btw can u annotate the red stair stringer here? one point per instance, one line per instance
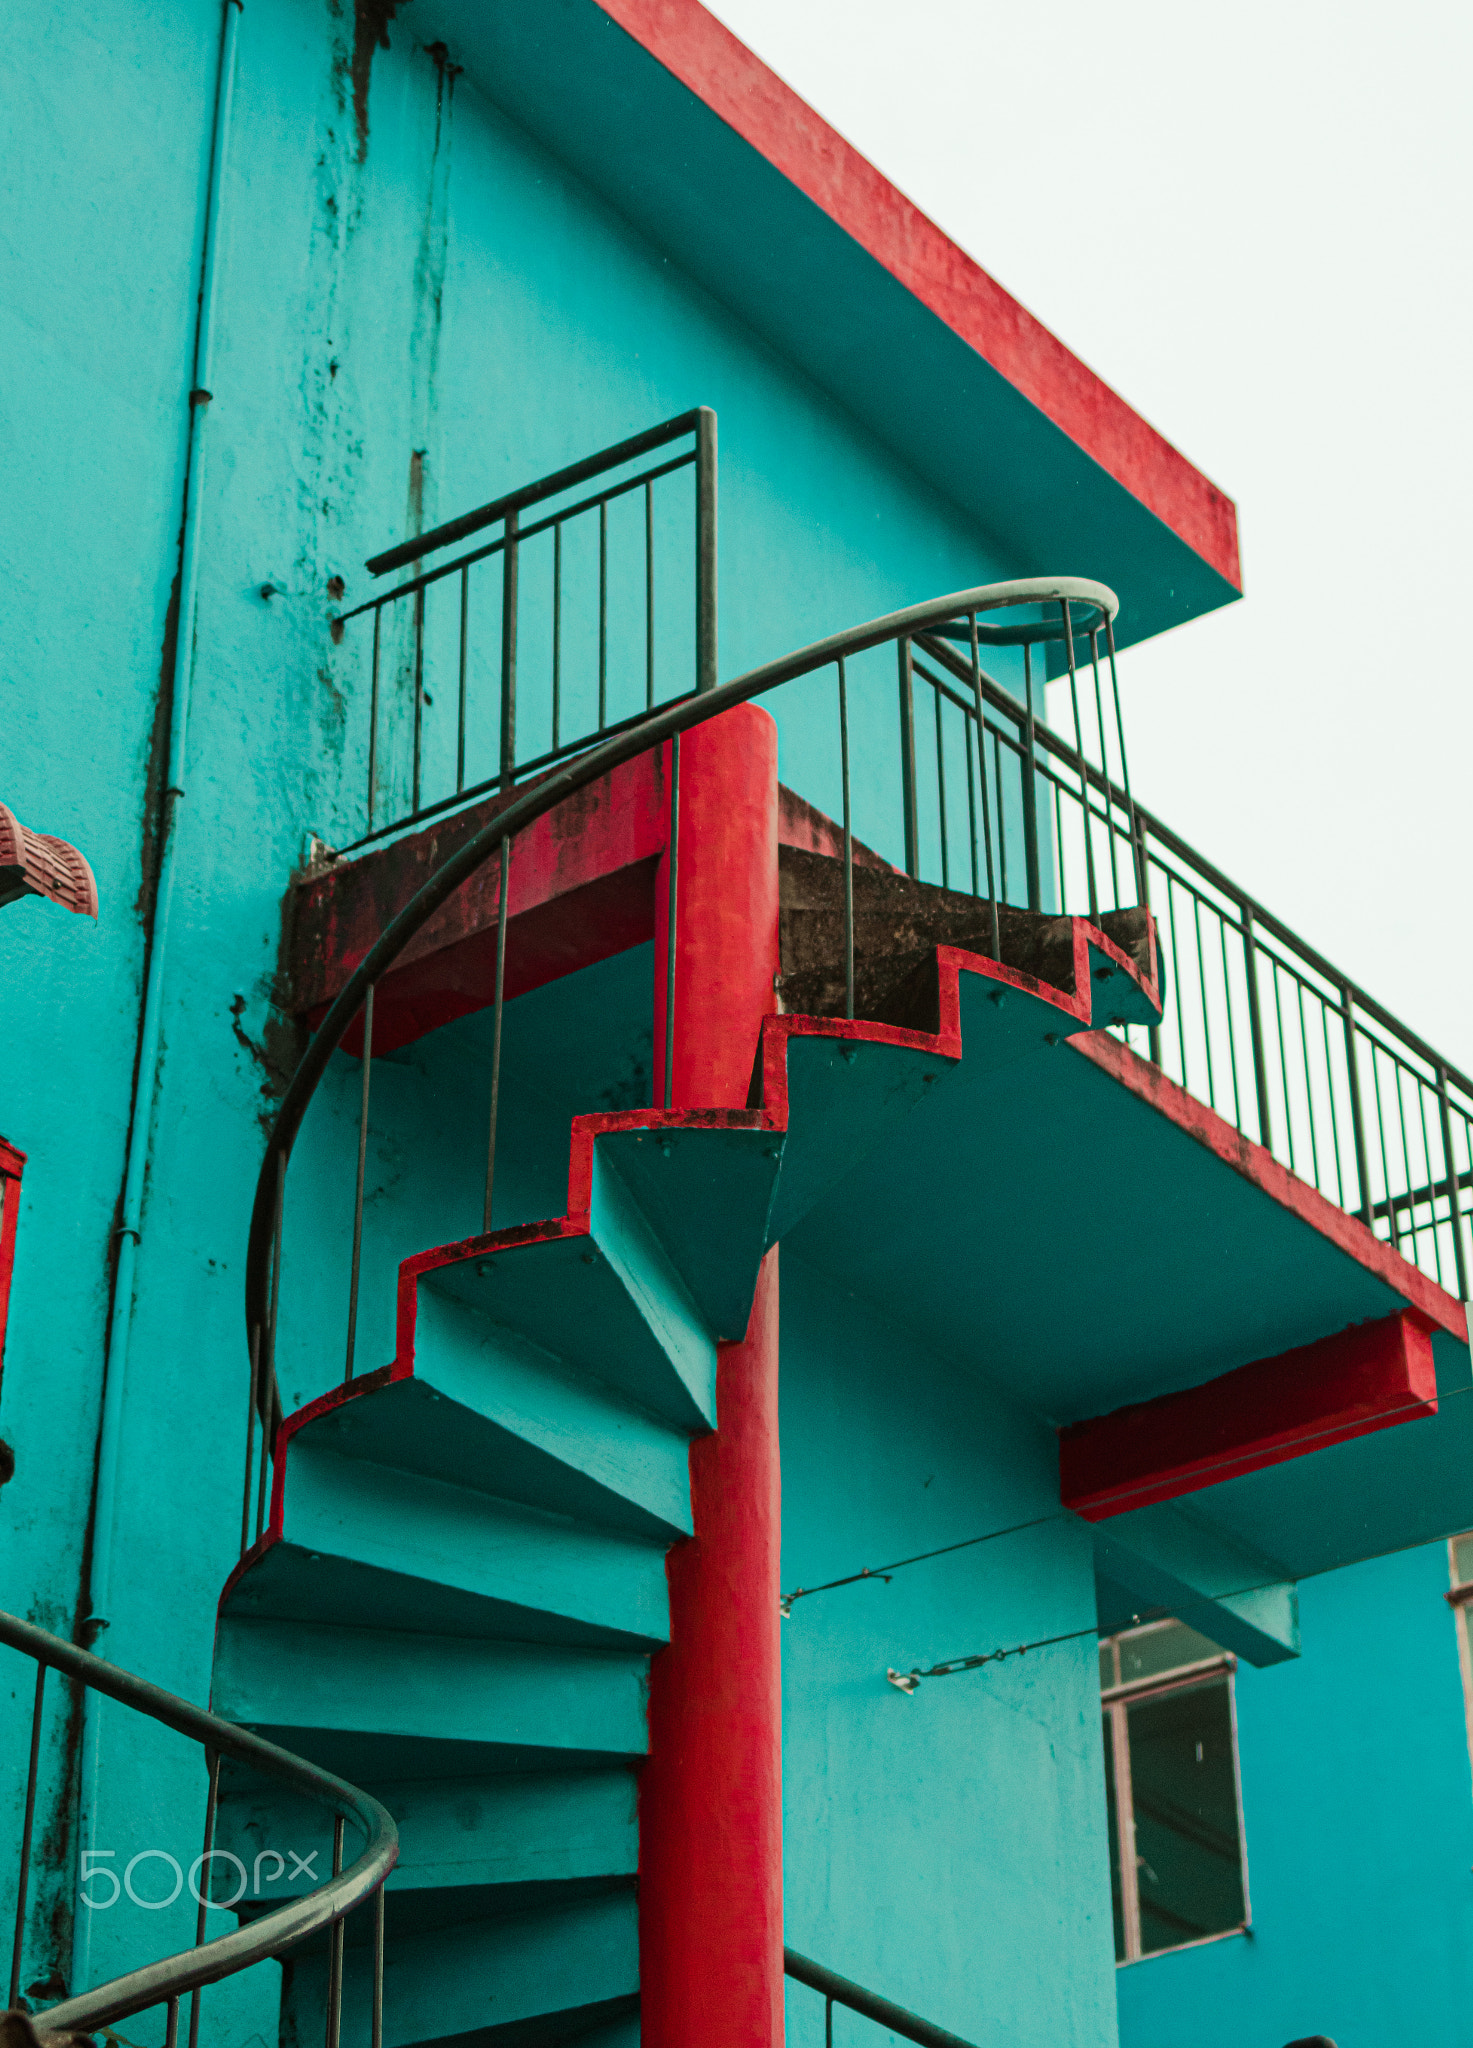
(768, 1111)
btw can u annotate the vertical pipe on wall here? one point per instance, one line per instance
(98, 1591)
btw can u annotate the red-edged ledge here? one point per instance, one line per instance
(694, 47)
(1368, 1377)
(1436, 1306)
(768, 1111)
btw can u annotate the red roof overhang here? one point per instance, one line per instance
(678, 127)
(707, 58)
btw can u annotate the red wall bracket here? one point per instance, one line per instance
(1371, 1376)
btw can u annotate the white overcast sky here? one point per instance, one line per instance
(1254, 223)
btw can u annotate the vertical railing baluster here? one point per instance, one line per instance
(419, 695)
(603, 613)
(1283, 1062)
(1094, 655)
(509, 567)
(671, 903)
(1176, 981)
(1330, 1092)
(171, 2025)
(1406, 1152)
(706, 648)
(267, 1416)
(986, 807)
(1391, 1223)
(1137, 836)
(465, 576)
(972, 806)
(376, 2033)
(1143, 897)
(828, 2023)
(1002, 819)
(1030, 784)
(848, 845)
(1431, 1181)
(1202, 987)
(1255, 1030)
(908, 757)
(941, 792)
(378, 613)
(498, 1005)
(1089, 844)
(250, 1456)
(335, 1948)
(1314, 1149)
(1227, 1004)
(1357, 1117)
(212, 1802)
(23, 1875)
(269, 1384)
(358, 1191)
(1450, 1164)
(557, 629)
(649, 598)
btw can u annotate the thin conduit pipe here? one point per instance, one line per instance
(109, 1446)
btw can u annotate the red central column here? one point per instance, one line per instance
(710, 1805)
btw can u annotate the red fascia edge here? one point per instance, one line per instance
(1368, 1377)
(737, 86)
(1436, 1307)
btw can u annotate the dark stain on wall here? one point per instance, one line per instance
(371, 20)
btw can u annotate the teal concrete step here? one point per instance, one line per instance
(546, 1975)
(512, 1835)
(489, 1411)
(378, 1704)
(370, 1545)
(610, 1303)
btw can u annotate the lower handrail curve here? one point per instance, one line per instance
(174, 1976)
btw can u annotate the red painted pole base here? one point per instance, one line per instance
(710, 1803)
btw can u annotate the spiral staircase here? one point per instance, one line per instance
(461, 1584)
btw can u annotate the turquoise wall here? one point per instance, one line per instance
(1359, 1827)
(411, 319)
(947, 1848)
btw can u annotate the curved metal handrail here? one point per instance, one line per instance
(673, 720)
(884, 2012)
(174, 1976)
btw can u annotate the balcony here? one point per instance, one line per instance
(1163, 1239)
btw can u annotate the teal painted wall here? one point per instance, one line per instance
(448, 290)
(1359, 1823)
(949, 1848)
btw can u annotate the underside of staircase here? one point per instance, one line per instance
(463, 1579)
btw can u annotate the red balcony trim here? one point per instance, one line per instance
(1433, 1303)
(1368, 1377)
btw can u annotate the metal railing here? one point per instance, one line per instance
(171, 1980)
(582, 584)
(837, 1990)
(1052, 607)
(1258, 1024)
(1298, 1057)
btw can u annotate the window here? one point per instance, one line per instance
(1460, 1570)
(1177, 1873)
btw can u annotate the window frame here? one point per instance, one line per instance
(12, 1165)
(1115, 1701)
(1458, 1597)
